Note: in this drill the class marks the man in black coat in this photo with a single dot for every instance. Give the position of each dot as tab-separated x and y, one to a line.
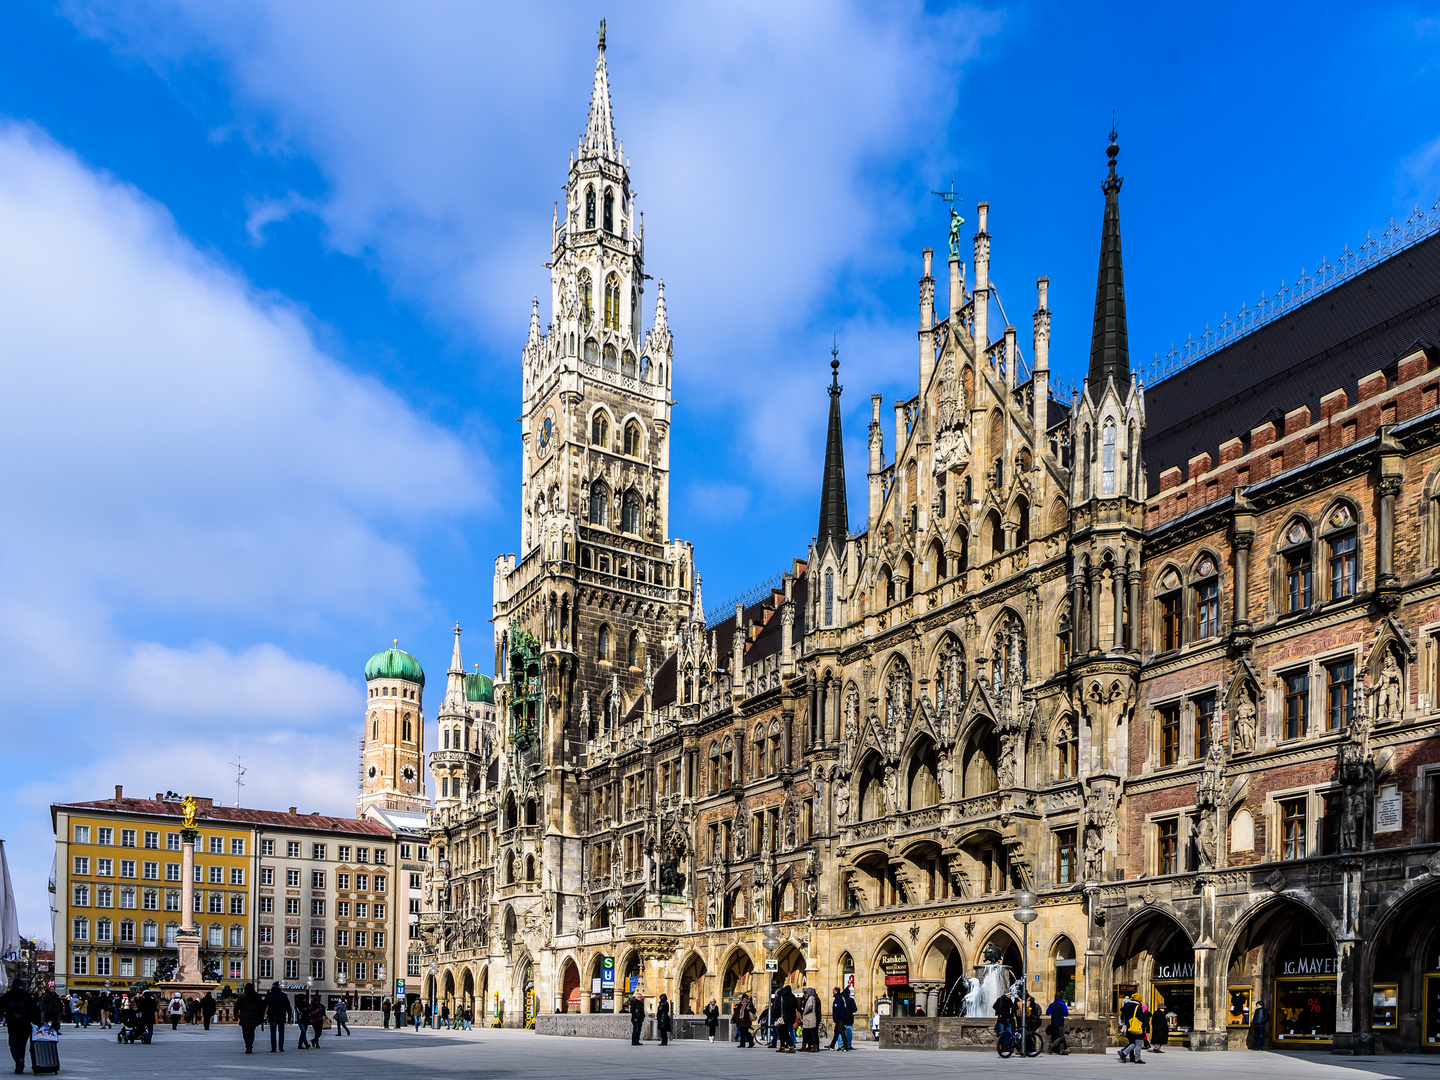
789	1009
146	1009
249	1014
637	1018
277	1011
20	1011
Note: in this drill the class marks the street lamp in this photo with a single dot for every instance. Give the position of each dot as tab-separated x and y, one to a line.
1025	914
433	970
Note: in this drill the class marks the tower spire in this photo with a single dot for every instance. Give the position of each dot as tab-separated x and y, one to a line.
834	514
600	129
1109	346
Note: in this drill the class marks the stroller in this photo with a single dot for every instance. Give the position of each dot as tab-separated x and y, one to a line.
130	1028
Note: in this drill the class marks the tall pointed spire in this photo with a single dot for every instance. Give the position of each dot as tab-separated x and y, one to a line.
1109	346
455	680
600	130
834	513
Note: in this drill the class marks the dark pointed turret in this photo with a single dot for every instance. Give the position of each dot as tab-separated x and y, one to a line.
1109	348
834	516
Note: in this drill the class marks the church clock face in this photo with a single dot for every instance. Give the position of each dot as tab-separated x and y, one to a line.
408	773
547	430
372	772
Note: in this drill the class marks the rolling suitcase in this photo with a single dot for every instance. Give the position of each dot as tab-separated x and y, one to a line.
44	1056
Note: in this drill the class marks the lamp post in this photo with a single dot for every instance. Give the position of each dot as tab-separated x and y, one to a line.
433	970
1025	914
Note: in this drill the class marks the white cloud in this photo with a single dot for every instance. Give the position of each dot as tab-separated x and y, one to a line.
190	483
763	139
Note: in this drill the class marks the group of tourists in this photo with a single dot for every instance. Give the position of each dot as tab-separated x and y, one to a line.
421	1013
190	1010
275	1011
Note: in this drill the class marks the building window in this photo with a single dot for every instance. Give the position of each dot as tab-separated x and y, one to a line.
266	967
172	871
267	847
317	907
1065	850
237	903
412	964
1107	460
217	845
80	896
150	900
152	840
215	937
127	932
630	513
1169	850
609	210
1330	824
602	644
292	969
589	224
829	597
217	875
632	652
599	505
1170	621
317	851
127	837
292	906
1297	568
317	879
1067	746
80	929
267	875
80	964
292	849
82	834
127	867
317	970
149	934
82	864
1342	566
237	846
1292	829
105	836
104	896
1207	602
632	439
1297	704
1339	694
1170	735
1204	720
172	841
217	903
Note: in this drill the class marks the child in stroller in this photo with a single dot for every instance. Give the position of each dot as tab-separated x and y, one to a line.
131	1030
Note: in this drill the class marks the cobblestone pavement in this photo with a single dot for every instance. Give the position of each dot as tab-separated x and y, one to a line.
195	1054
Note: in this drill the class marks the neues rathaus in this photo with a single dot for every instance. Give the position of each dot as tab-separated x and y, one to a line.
1164	655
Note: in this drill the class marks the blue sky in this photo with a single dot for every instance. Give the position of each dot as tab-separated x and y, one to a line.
265	271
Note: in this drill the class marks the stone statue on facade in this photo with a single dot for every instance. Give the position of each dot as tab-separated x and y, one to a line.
842	803
1245	723
1389	698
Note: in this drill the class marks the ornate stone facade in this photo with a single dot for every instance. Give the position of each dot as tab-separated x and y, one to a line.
1026	672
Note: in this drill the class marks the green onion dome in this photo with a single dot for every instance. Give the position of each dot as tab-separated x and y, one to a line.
394	663
480	688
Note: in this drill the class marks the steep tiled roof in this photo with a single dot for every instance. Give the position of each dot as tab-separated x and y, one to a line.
1330	343
231	815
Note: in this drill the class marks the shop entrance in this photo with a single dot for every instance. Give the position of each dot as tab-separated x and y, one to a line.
1156	961
1285	957
892	977
736	982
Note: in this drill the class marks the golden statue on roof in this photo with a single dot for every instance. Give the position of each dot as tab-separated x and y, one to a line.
188	806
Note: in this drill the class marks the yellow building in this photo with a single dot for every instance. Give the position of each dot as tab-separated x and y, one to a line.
118	890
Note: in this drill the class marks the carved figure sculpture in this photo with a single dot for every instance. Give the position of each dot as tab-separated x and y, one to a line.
1388	699
1245	723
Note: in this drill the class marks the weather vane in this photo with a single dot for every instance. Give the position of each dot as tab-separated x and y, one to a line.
955	219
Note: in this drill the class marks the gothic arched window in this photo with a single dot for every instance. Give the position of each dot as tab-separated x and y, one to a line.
1107	459
632	439
600	430
829	597
587	299
589	208
599	503
612	302
633	649
609	210
630	513
602	647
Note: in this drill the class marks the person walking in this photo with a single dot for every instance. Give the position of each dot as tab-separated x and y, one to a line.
175	1011
316	1016
207	1009
1131	1028
789	1013
102	1010
249	1014
637	1018
52	1008
1144	1026
147	1009
444	1015
1057	1010
385	1013
712	1019
810	1022
1259	1021
415	1011
19	1011
742	1017
1159	1031
662	1020
277	1012
302	1020
342	1018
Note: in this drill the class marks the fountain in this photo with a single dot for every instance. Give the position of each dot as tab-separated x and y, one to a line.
983	989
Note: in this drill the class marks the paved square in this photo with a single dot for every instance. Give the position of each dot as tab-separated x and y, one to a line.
192	1053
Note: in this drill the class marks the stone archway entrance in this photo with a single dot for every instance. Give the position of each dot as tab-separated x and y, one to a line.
1284	955
688	1002
739	970
570	988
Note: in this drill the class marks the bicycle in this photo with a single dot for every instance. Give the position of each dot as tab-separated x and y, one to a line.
1009	1041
